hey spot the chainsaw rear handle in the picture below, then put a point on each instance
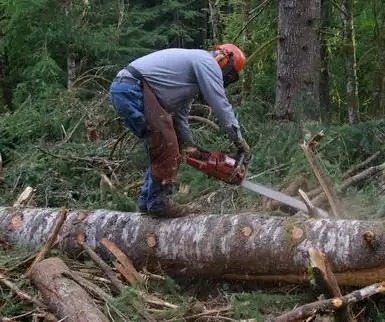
(241, 159)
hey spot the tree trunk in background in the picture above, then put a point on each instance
(298, 62)
(5, 91)
(71, 63)
(247, 43)
(220, 246)
(216, 21)
(71, 70)
(326, 14)
(351, 81)
(379, 73)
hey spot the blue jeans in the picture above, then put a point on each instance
(127, 100)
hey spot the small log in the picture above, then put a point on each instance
(359, 177)
(359, 166)
(322, 179)
(63, 296)
(328, 306)
(320, 263)
(60, 219)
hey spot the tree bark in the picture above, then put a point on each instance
(351, 80)
(222, 246)
(65, 298)
(298, 63)
(216, 21)
(247, 44)
(326, 15)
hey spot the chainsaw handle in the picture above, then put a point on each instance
(241, 159)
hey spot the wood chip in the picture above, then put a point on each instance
(131, 273)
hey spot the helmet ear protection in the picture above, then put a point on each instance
(226, 63)
(222, 58)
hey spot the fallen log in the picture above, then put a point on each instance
(252, 247)
(64, 297)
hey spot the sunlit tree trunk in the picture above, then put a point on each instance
(215, 19)
(298, 63)
(351, 81)
(247, 43)
(379, 73)
(71, 62)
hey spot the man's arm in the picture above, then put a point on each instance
(210, 82)
(181, 125)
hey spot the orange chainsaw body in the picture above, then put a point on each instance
(218, 165)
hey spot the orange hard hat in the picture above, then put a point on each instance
(238, 56)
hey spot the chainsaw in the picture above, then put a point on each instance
(233, 171)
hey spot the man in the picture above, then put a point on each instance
(153, 97)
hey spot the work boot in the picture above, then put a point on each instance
(172, 210)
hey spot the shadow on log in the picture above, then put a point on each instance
(249, 247)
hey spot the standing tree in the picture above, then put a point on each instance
(351, 81)
(298, 62)
(247, 42)
(216, 21)
(325, 60)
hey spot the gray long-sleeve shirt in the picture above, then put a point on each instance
(176, 75)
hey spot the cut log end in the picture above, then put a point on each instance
(64, 297)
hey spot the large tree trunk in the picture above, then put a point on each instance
(298, 63)
(222, 246)
(65, 298)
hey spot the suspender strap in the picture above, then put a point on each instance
(134, 72)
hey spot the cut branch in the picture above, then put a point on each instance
(359, 177)
(325, 183)
(101, 263)
(320, 264)
(61, 217)
(21, 294)
(328, 306)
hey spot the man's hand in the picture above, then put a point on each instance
(188, 150)
(244, 148)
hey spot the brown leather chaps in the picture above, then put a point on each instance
(163, 143)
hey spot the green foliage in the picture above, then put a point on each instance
(260, 305)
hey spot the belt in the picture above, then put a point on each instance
(128, 80)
